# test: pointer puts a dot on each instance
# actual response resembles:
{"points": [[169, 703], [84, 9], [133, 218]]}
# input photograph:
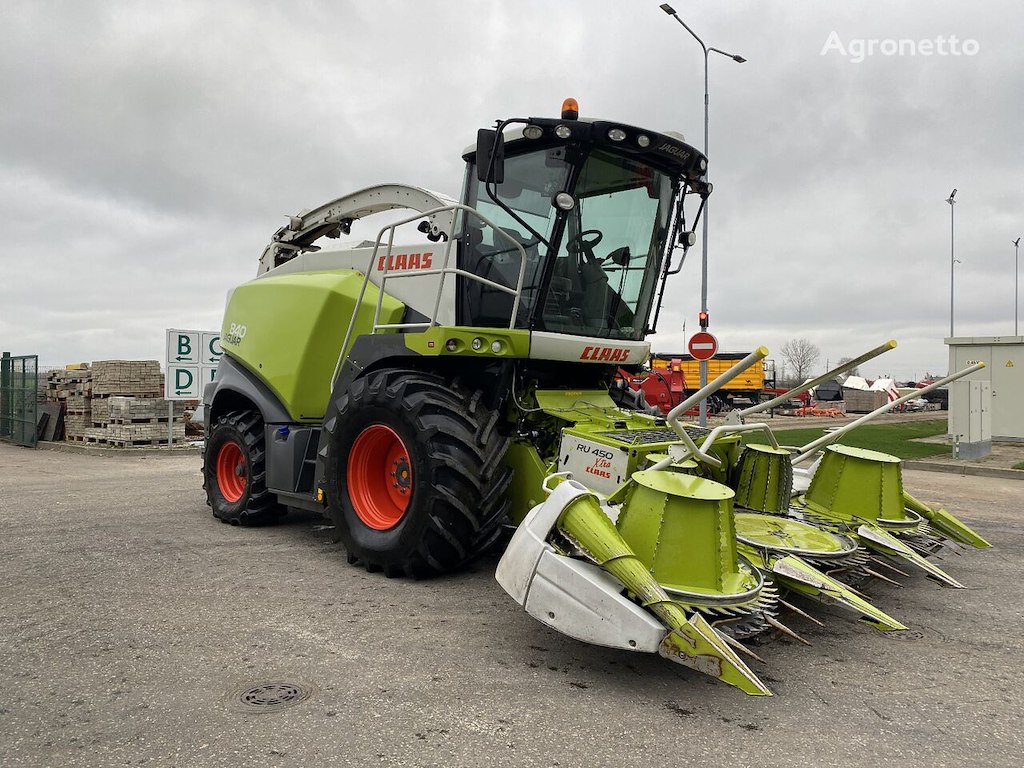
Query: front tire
{"points": [[234, 471], [413, 473]]}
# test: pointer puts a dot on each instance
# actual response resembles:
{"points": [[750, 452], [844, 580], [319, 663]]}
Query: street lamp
{"points": [[704, 256], [1016, 262], [951, 202]]}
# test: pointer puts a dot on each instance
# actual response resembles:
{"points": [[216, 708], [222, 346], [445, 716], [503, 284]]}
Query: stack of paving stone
{"points": [[117, 403], [143, 421], [72, 388], [61, 382], [137, 378], [77, 417], [100, 412]]}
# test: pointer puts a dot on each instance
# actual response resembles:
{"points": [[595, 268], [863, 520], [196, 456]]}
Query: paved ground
{"points": [[129, 615]]}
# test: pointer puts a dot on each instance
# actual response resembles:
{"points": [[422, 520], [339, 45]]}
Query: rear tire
{"points": [[234, 471], [413, 473]]}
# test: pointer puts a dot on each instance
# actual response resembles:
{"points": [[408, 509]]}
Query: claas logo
{"points": [[602, 354], [405, 261]]}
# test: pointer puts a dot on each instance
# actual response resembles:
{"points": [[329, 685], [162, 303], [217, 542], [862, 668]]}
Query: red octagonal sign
{"points": [[703, 346]]}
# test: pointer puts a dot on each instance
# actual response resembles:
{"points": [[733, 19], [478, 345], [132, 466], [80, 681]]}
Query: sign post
{"points": [[190, 362], [703, 347]]}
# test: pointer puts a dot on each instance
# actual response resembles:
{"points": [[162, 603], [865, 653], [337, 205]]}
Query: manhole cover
{"points": [[917, 635], [271, 696], [906, 635]]}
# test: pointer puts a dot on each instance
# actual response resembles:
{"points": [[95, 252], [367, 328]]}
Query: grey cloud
{"points": [[148, 152]]}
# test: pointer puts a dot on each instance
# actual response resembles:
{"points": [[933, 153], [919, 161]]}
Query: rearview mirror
{"points": [[490, 156], [621, 256]]}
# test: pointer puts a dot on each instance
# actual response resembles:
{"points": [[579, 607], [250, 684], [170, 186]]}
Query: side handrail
{"points": [[443, 271]]}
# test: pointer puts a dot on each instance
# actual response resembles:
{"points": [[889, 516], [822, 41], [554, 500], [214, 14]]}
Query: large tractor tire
{"points": [[234, 471], [413, 473]]}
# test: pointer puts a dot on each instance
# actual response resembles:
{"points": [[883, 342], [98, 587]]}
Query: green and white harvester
{"points": [[441, 400]]}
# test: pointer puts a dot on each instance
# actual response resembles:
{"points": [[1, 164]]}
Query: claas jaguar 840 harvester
{"points": [[430, 397]]}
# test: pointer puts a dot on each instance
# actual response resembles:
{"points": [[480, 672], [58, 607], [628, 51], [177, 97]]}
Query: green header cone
{"points": [[858, 484], [763, 479], [681, 527]]}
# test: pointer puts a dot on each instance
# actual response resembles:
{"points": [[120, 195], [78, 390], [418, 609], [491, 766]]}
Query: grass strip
{"points": [[895, 439]]}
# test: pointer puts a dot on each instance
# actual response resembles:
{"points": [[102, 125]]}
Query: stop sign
{"points": [[703, 346]]}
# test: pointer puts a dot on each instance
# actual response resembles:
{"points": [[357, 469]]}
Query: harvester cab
{"points": [[428, 397], [595, 206]]}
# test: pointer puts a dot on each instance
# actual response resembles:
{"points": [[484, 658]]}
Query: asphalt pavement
{"points": [[131, 621]]}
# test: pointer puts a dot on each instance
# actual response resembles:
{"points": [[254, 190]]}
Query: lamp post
{"points": [[1016, 262], [951, 202], [668, 9]]}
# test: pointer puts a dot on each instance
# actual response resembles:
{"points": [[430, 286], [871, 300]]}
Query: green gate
{"points": [[19, 399]]}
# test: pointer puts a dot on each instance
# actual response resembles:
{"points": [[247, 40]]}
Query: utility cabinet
{"points": [[970, 418], [1004, 371]]}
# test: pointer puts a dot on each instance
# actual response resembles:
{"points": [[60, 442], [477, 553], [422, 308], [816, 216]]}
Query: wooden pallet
{"points": [[139, 443], [148, 395]]}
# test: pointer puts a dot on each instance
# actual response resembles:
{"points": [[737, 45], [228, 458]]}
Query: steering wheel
{"points": [[580, 243]]}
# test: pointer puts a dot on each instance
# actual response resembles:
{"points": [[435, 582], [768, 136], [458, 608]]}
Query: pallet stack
{"points": [[71, 388], [62, 382], [77, 415], [116, 403], [135, 378], [143, 421]]}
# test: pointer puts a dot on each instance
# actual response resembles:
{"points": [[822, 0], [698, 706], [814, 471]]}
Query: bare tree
{"points": [[855, 371], [801, 355]]}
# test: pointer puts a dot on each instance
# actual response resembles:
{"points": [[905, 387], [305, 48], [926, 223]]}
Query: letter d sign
{"points": [[183, 378]]}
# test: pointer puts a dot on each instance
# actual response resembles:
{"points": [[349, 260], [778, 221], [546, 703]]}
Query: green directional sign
{"points": [[211, 350], [190, 362], [183, 382], [184, 347]]}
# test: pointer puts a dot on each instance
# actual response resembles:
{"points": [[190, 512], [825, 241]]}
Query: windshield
{"points": [[606, 268], [603, 275]]}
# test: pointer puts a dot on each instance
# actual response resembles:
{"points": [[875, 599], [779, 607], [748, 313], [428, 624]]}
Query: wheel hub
{"points": [[379, 475], [232, 477], [402, 475]]}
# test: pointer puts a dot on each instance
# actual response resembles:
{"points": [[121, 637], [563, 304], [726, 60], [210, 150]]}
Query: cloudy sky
{"points": [[148, 150]]}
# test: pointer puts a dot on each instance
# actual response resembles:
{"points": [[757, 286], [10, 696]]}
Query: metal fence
{"points": [[19, 399]]}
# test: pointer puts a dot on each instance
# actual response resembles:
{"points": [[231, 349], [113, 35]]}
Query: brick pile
{"points": [[143, 421], [116, 403], [72, 389], [138, 378], [62, 382]]}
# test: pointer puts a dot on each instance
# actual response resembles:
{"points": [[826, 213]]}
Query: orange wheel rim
{"points": [[379, 477], [232, 477]]}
